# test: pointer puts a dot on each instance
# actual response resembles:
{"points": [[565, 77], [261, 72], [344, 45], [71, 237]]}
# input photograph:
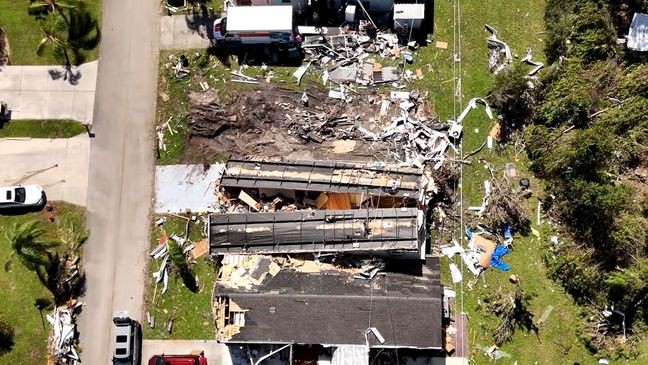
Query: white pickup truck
{"points": [[256, 26]]}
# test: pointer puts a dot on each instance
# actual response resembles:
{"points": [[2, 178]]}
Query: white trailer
{"points": [[256, 25]]}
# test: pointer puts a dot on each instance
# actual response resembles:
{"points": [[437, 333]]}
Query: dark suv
{"points": [[127, 349]]}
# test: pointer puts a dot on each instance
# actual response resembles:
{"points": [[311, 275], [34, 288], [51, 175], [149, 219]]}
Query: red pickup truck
{"points": [[178, 360]]}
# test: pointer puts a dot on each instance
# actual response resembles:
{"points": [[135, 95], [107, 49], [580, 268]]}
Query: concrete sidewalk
{"points": [[42, 92], [60, 166], [183, 32]]}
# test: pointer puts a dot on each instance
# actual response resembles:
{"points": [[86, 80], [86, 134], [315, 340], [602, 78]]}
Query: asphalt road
{"points": [[121, 172]]}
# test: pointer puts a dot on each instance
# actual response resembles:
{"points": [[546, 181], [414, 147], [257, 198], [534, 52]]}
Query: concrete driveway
{"points": [[216, 353], [184, 32], [48, 92], [60, 166]]}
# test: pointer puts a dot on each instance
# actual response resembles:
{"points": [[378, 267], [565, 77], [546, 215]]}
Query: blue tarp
{"points": [[497, 255]]}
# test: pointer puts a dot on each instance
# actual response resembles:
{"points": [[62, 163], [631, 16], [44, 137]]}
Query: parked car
{"points": [[28, 196], [177, 360], [127, 349]]}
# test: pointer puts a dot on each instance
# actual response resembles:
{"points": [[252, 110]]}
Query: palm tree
{"points": [[72, 30], [41, 8], [72, 234], [32, 252], [56, 39]]}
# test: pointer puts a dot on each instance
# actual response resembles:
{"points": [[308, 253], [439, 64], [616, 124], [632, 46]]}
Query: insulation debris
{"points": [[499, 53], [528, 59], [63, 338]]}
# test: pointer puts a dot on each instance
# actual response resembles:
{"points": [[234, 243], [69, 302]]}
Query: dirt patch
{"points": [[274, 122]]}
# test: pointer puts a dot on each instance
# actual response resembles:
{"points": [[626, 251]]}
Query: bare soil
{"points": [[271, 121]]}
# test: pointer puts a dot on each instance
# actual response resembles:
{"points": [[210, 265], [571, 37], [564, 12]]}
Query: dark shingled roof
{"points": [[332, 308]]}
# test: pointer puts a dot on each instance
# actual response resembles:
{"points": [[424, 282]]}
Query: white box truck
{"points": [[256, 25]]}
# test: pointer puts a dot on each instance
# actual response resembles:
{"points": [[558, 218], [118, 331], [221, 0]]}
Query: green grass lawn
{"points": [[24, 32], [41, 128], [520, 24], [191, 312], [20, 287]]}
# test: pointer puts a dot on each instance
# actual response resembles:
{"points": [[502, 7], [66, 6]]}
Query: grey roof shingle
{"points": [[332, 308]]}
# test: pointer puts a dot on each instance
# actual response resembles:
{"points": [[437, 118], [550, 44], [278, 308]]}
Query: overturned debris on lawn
{"points": [[63, 338]]}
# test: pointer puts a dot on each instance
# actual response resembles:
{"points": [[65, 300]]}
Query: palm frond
{"points": [[40, 50]]}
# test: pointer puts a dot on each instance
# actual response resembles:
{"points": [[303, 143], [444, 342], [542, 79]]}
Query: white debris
{"points": [[456, 274], [528, 59], [62, 340], [499, 52]]}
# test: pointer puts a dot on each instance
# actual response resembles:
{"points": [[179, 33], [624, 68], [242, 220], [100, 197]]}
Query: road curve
{"points": [[121, 171]]}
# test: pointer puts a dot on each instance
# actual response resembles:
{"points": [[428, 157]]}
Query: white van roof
{"points": [[259, 18]]}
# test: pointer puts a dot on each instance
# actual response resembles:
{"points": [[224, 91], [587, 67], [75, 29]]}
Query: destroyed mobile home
{"points": [[318, 206], [276, 300]]}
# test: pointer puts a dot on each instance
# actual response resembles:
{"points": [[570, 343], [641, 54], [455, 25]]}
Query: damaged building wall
{"points": [[315, 231]]}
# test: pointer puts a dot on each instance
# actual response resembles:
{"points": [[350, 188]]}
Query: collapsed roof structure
{"points": [[317, 231], [329, 307], [323, 176], [319, 206]]}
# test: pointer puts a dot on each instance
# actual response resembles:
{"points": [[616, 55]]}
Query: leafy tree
{"points": [[512, 97], [566, 101], [6, 337], [579, 29], [577, 271], [629, 288]]}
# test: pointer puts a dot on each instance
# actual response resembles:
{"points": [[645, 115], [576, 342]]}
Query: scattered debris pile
{"points": [[63, 338], [347, 55], [275, 122]]}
